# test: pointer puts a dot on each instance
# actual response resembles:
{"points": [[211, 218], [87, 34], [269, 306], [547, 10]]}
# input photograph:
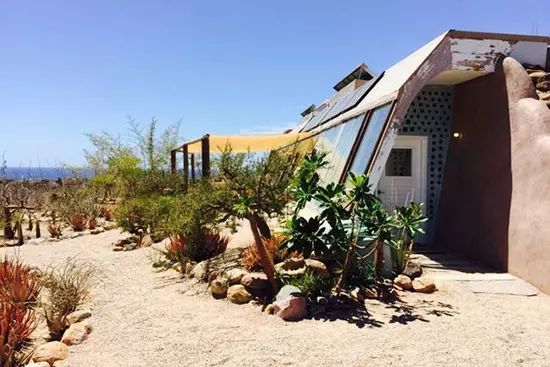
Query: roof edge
{"points": [[499, 36]]}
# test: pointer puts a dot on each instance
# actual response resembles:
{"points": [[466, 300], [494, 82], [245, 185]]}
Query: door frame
{"points": [[420, 142]]}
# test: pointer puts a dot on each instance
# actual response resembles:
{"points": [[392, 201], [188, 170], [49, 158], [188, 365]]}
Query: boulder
{"points": [[238, 294], [424, 285], [97, 231], [78, 316], [291, 267], [269, 309], [255, 281], [413, 270], [234, 276], [38, 364], [199, 271], [403, 282], [146, 241], [51, 352], [291, 308], [109, 225], [75, 234], [317, 268], [118, 248], [62, 363], [287, 291], [219, 287], [76, 333], [357, 294]]}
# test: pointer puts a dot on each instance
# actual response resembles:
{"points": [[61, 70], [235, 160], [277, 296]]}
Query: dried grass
{"points": [[251, 257]]}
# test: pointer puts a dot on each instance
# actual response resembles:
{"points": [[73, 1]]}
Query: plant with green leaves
{"points": [[409, 220]]}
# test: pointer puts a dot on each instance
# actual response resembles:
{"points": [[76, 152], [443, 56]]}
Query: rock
{"points": [[75, 234], [403, 282], [543, 86], [76, 333], [287, 291], [109, 225], [78, 316], [36, 241], [291, 267], [51, 352], [255, 281], [270, 309], [219, 287], [370, 293], [317, 268], [38, 364], [413, 270], [188, 269], [291, 309], [118, 248], [97, 231], [199, 271], [424, 285], [146, 241], [357, 294], [321, 300], [234, 276], [238, 294], [62, 363]]}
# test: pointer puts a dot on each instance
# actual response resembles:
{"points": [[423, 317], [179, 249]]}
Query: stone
{"points": [[291, 267], [97, 231], [188, 269], [109, 225], [36, 241], [75, 234], [76, 333], [291, 309], [287, 291], [118, 248], [321, 300], [38, 364], [413, 270], [146, 241], [219, 287], [78, 316], [544, 96], [51, 352], [543, 86], [403, 282], [370, 293], [255, 281], [317, 268], [270, 309], [424, 285], [357, 294], [62, 363], [234, 276], [199, 271], [238, 294]]}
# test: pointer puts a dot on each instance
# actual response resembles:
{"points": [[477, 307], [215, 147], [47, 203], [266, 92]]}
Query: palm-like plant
{"points": [[408, 222]]}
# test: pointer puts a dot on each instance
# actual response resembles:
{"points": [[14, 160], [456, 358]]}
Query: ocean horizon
{"points": [[45, 173]]}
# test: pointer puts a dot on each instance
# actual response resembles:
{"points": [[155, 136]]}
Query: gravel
{"points": [[147, 318]]}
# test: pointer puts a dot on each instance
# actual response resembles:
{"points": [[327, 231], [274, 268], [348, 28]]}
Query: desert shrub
{"points": [[67, 287], [202, 247], [18, 291], [77, 221], [309, 283], [76, 205], [149, 214], [251, 257], [106, 212], [55, 229]]}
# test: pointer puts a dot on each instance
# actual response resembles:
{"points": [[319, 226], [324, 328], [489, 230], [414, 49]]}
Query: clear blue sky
{"points": [[69, 67]]}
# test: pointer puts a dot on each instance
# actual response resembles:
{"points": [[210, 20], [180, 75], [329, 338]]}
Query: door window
{"points": [[399, 163]]}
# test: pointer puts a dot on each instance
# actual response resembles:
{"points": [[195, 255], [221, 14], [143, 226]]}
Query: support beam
{"points": [[173, 161], [205, 155], [193, 167], [185, 163]]}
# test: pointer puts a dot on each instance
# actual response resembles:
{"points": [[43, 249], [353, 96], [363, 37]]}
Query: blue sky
{"points": [[69, 67]]}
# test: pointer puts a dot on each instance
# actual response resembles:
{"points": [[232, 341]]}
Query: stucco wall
{"points": [[477, 182]]}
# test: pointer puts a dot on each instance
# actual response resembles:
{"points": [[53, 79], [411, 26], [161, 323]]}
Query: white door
{"points": [[404, 176]]}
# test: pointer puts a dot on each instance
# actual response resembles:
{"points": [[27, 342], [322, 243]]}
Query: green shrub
{"points": [[309, 283]]}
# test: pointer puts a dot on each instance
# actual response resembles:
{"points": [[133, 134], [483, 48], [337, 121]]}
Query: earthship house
{"points": [[462, 125]]}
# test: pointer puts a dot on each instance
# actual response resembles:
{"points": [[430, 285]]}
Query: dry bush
{"points": [[19, 289], [92, 223], [251, 257], [204, 247], [106, 212], [55, 229], [68, 285], [77, 222]]}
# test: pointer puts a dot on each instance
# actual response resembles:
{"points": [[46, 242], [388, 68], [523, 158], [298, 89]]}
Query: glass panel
{"points": [[338, 142], [368, 143], [399, 163]]}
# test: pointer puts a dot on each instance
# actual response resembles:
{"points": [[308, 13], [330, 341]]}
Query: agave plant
{"points": [[77, 221], [408, 222]]}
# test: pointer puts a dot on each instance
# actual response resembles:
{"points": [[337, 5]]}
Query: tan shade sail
{"points": [[246, 143]]}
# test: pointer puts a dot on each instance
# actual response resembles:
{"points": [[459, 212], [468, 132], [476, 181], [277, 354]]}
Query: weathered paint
{"points": [[478, 55]]}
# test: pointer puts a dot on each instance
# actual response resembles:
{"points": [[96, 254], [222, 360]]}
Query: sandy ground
{"points": [[143, 318]]}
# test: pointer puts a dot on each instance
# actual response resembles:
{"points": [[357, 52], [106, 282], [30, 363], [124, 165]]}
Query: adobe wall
{"points": [[477, 181], [529, 233]]}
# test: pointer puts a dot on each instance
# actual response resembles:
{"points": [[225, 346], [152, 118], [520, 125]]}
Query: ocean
{"points": [[44, 173]]}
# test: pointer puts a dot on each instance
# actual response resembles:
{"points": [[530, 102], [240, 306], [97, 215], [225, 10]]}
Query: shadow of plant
{"points": [[354, 314], [406, 312]]}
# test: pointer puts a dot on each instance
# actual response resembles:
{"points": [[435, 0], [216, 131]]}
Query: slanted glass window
{"points": [[337, 142], [399, 163], [368, 143]]}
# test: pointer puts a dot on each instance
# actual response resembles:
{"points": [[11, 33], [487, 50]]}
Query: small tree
{"points": [[255, 189]]}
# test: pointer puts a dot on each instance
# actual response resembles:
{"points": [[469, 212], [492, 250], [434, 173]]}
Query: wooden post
{"points": [[173, 160], [205, 155], [185, 163], [192, 166]]}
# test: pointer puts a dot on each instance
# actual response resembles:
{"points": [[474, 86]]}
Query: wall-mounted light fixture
{"points": [[457, 135]]}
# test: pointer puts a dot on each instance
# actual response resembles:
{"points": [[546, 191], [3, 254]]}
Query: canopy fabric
{"points": [[246, 143]]}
